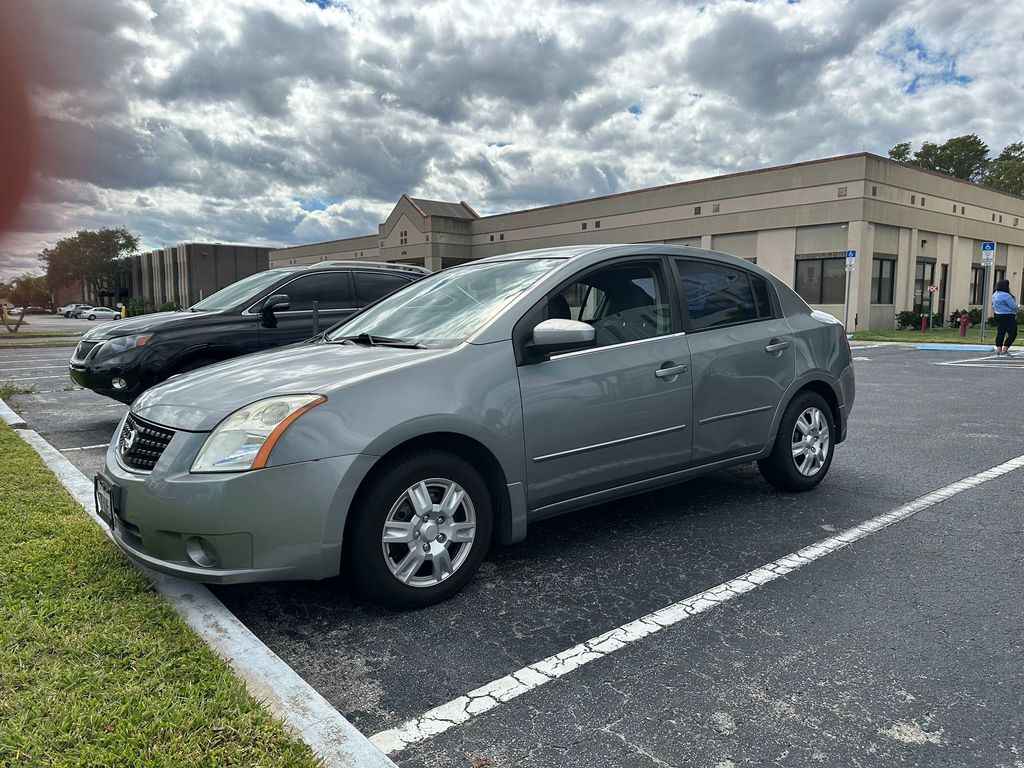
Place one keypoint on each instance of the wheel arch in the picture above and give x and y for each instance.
(821, 386)
(472, 451)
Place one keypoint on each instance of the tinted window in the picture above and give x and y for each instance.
(715, 294)
(332, 289)
(371, 286)
(623, 303)
(761, 296)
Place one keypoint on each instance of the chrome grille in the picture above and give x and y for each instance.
(141, 443)
(83, 349)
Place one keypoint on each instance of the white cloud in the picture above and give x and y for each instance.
(186, 119)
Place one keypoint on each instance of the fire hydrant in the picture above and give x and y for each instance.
(963, 324)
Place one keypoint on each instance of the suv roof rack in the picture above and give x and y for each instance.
(374, 264)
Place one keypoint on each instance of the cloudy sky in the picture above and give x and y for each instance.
(291, 121)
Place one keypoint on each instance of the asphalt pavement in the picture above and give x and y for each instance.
(902, 648)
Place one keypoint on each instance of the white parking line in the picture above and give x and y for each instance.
(30, 377)
(521, 681)
(83, 448)
(268, 679)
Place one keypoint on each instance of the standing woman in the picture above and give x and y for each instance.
(1005, 308)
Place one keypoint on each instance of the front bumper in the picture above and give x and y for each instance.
(279, 523)
(100, 380)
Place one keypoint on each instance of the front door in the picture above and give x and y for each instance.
(334, 295)
(615, 413)
(742, 357)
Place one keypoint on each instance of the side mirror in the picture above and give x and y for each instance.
(277, 301)
(557, 335)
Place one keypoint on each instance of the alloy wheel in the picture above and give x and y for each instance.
(811, 441)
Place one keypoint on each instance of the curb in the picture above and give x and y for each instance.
(268, 678)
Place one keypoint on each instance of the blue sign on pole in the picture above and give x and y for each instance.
(851, 254)
(988, 246)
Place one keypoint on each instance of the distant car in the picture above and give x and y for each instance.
(102, 313)
(262, 311)
(68, 310)
(81, 311)
(15, 310)
(35, 311)
(469, 404)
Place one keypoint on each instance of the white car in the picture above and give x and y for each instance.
(68, 310)
(100, 313)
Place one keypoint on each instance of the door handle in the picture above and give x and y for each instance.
(775, 345)
(675, 370)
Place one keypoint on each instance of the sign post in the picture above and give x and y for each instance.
(988, 257)
(932, 289)
(851, 257)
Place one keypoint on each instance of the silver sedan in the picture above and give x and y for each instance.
(397, 446)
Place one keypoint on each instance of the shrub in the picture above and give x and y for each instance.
(910, 320)
(139, 306)
(168, 306)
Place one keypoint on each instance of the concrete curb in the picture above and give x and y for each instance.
(267, 677)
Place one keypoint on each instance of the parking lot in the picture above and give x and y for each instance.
(903, 648)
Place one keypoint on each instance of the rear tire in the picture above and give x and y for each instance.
(804, 445)
(418, 530)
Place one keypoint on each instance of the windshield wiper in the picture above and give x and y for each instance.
(367, 340)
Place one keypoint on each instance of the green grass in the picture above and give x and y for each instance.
(34, 334)
(95, 668)
(936, 336)
(5, 344)
(8, 389)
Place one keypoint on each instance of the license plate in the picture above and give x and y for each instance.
(104, 493)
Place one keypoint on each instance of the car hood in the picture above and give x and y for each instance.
(199, 400)
(143, 324)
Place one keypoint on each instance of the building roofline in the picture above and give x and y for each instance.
(323, 242)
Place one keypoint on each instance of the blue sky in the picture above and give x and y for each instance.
(289, 121)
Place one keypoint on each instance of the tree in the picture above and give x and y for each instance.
(901, 152)
(1006, 172)
(25, 290)
(95, 259)
(964, 157)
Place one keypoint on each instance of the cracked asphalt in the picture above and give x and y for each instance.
(903, 648)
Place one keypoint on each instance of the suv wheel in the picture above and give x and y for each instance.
(419, 530)
(803, 446)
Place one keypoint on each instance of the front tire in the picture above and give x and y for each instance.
(418, 530)
(92, 317)
(804, 445)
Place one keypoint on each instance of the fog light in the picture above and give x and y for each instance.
(119, 383)
(201, 552)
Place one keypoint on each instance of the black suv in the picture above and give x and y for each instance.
(123, 358)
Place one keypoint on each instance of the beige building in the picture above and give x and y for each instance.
(910, 228)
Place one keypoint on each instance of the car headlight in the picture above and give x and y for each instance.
(121, 343)
(244, 440)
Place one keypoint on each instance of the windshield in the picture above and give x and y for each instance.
(236, 293)
(447, 308)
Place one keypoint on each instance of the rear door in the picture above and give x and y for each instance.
(741, 356)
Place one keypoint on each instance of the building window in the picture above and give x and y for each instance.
(428, 238)
(597, 224)
(993, 217)
(954, 207)
(922, 201)
(821, 281)
(961, 210)
(715, 207)
(583, 225)
(913, 199)
(403, 237)
(977, 285)
(882, 282)
(842, 192)
(492, 238)
(924, 275)
(997, 275)
(1016, 220)
(1000, 218)
(501, 236)
(696, 210)
(874, 191)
